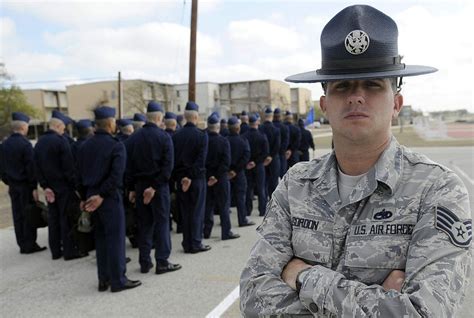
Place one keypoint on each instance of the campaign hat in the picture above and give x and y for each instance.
(360, 42)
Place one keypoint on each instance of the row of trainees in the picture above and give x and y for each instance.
(199, 167)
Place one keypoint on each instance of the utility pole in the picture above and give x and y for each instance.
(192, 53)
(119, 95)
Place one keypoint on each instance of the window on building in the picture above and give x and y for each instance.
(113, 94)
(177, 93)
(179, 108)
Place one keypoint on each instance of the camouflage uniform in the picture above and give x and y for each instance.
(404, 214)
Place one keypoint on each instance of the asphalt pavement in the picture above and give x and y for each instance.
(36, 286)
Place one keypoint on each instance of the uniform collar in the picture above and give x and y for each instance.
(189, 124)
(150, 124)
(387, 171)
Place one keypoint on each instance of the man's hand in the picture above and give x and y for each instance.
(211, 181)
(82, 205)
(131, 196)
(231, 174)
(250, 165)
(93, 203)
(49, 195)
(267, 161)
(148, 195)
(292, 270)
(185, 184)
(35, 195)
(394, 280)
(288, 154)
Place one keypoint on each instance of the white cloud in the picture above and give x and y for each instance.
(261, 35)
(30, 64)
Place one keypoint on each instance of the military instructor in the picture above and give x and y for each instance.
(372, 229)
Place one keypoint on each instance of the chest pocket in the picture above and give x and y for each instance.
(313, 245)
(370, 258)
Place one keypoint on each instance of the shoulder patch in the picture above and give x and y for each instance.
(459, 232)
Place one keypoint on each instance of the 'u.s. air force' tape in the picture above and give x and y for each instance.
(459, 232)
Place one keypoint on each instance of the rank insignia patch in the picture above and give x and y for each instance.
(459, 232)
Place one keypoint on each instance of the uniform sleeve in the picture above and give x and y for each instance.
(38, 171)
(3, 176)
(262, 291)
(67, 161)
(311, 140)
(199, 163)
(30, 166)
(244, 159)
(115, 176)
(276, 143)
(437, 270)
(224, 164)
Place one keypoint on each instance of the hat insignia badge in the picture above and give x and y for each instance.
(357, 42)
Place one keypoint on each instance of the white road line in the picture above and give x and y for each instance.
(225, 304)
(462, 173)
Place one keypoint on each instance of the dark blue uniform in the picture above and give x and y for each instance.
(218, 195)
(240, 156)
(272, 171)
(55, 170)
(150, 162)
(224, 132)
(244, 127)
(306, 142)
(285, 137)
(101, 165)
(19, 175)
(294, 144)
(122, 137)
(75, 147)
(256, 177)
(190, 148)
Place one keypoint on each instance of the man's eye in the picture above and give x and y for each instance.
(342, 85)
(372, 84)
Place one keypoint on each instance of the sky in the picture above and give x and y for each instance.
(51, 44)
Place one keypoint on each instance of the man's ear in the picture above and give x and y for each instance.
(322, 103)
(397, 105)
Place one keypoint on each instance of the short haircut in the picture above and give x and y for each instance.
(17, 125)
(170, 122)
(55, 122)
(234, 128)
(190, 115)
(213, 127)
(84, 132)
(104, 123)
(154, 116)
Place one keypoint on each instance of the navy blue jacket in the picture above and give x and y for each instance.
(170, 132)
(244, 127)
(258, 145)
(150, 156)
(101, 165)
(306, 140)
(54, 162)
(17, 161)
(273, 136)
(218, 156)
(224, 132)
(75, 147)
(190, 151)
(122, 137)
(295, 137)
(239, 152)
(284, 135)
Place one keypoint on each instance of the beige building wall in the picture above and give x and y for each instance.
(46, 101)
(300, 100)
(280, 95)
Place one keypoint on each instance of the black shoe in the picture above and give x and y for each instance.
(75, 256)
(145, 269)
(32, 250)
(167, 268)
(127, 260)
(206, 236)
(55, 257)
(103, 286)
(231, 236)
(249, 223)
(202, 248)
(129, 284)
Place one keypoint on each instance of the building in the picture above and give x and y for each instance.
(46, 101)
(253, 96)
(83, 98)
(300, 100)
(207, 97)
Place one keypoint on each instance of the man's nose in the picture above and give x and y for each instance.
(357, 96)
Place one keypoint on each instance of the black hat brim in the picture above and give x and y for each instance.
(314, 77)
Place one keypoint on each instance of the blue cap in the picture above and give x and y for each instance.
(154, 107)
(277, 111)
(300, 122)
(232, 121)
(58, 115)
(268, 110)
(287, 113)
(139, 117)
(170, 115)
(252, 118)
(192, 106)
(83, 123)
(124, 122)
(223, 121)
(104, 112)
(20, 117)
(212, 120)
(257, 115)
(179, 117)
(243, 113)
